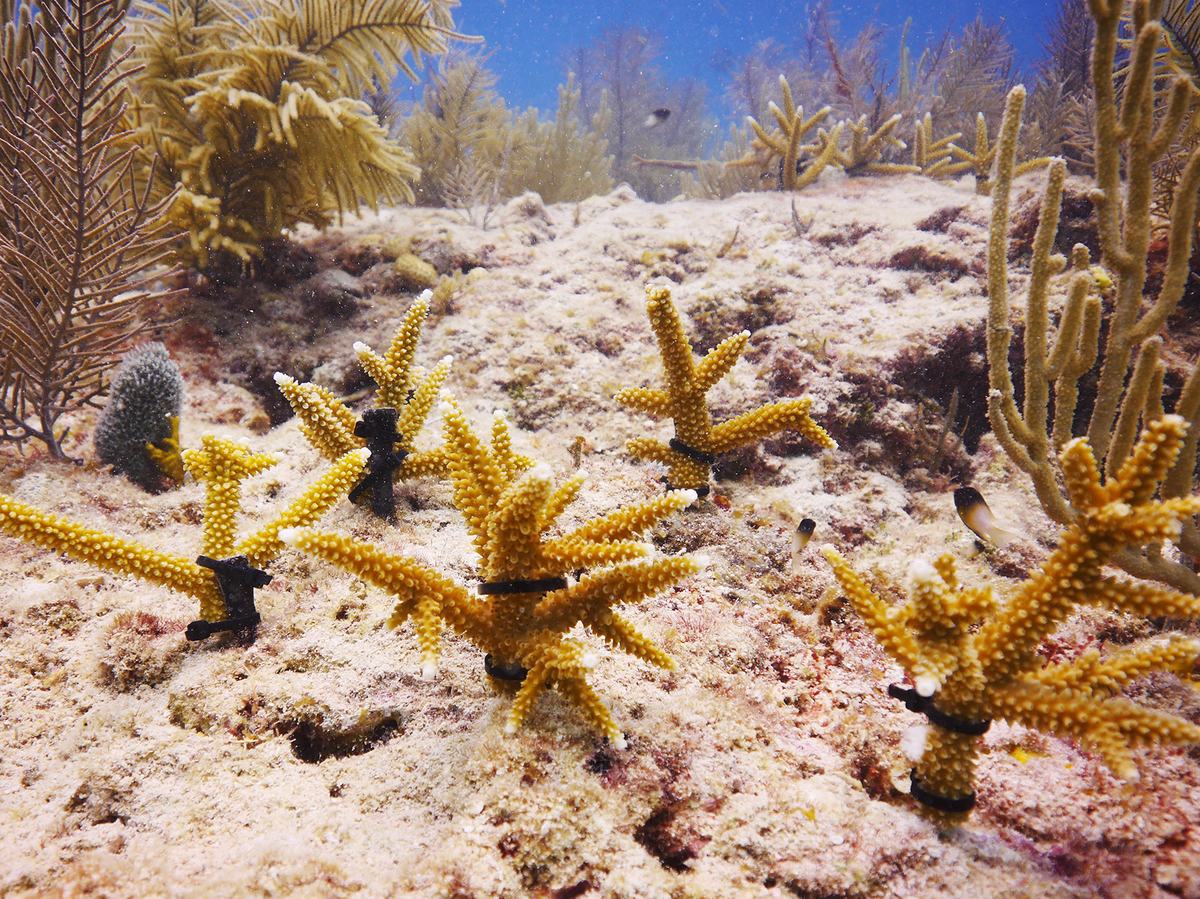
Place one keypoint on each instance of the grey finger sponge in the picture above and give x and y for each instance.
(146, 392)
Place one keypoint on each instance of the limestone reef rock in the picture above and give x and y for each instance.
(766, 762)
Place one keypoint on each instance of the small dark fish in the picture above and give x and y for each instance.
(800, 539)
(657, 117)
(976, 515)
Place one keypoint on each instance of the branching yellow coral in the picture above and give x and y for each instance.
(330, 426)
(691, 452)
(981, 159)
(530, 603)
(222, 465)
(932, 157)
(787, 142)
(254, 111)
(973, 659)
(168, 455)
(864, 155)
(1139, 112)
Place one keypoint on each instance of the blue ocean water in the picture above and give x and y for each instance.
(530, 43)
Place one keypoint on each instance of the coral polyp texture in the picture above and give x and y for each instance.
(972, 658)
(332, 428)
(528, 603)
(222, 466)
(691, 452)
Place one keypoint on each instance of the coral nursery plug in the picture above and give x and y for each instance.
(972, 659)
(691, 452)
(526, 604)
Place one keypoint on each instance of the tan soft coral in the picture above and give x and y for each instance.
(973, 659)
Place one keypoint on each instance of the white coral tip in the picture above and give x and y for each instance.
(620, 742)
(280, 378)
(744, 334)
(510, 727)
(700, 560)
(428, 670)
(499, 414)
(926, 685)
(542, 472)
(290, 536)
(690, 495)
(361, 453)
(445, 407)
(447, 359)
(425, 296)
(589, 660)
(360, 347)
(912, 742)
(921, 572)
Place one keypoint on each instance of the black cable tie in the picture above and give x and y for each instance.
(691, 452)
(542, 585)
(953, 804)
(512, 671)
(237, 581)
(923, 705)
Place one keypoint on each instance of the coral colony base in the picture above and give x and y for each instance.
(849, 291)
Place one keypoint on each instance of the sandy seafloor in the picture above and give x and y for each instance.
(767, 764)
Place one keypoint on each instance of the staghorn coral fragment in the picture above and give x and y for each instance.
(403, 401)
(527, 604)
(167, 454)
(932, 156)
(690, 453)
(222, 465)
(972, 659)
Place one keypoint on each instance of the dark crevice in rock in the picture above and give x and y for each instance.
(317, 738)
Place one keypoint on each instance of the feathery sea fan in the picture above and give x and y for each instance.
(78, 239)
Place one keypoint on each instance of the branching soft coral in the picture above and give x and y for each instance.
(973, 659)
(691, 452)
(867, 148)
(509, 506)
(787, 142)
(403, 401)
(254, 110)
(222, 466)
